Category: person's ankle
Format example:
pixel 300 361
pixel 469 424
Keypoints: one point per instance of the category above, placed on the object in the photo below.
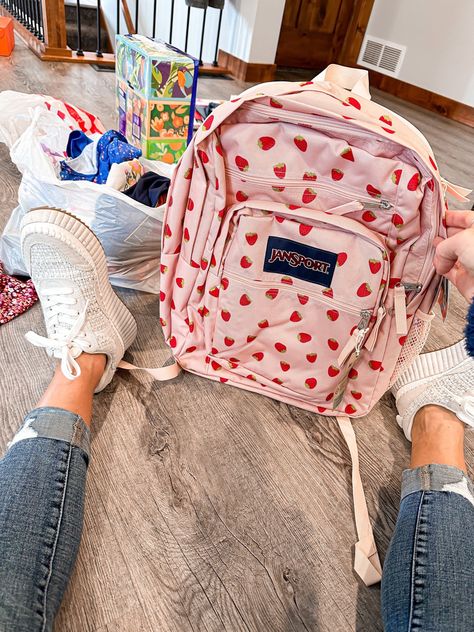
pixel 92 367
pixel 437 437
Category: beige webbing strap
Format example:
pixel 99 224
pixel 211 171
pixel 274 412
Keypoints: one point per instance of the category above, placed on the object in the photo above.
pixel 366 559
pixel 162 373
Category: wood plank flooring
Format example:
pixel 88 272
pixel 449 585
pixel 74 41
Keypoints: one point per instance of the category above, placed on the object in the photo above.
pixel 210 508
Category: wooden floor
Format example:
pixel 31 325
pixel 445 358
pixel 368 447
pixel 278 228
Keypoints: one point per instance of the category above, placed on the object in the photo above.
pixel 211 508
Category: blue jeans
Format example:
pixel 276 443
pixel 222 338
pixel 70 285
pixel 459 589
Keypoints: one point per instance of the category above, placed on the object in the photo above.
pixel 42 485
pixel 428 574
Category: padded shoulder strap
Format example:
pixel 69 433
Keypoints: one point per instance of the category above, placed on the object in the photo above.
pixel 366 559
pixel 162 374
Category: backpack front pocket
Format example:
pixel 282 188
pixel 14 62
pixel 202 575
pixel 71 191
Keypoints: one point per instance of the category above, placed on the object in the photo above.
pixel 292 297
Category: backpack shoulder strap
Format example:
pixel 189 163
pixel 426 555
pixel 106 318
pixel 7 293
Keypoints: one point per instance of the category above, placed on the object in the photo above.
pixel 366 559
pixel 162 374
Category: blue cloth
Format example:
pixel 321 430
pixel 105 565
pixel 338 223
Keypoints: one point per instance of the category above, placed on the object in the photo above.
pixel 76 143
pixel 428 574
pixel 42 488
pixel 112 148
pixel 150 190
pixel 469 332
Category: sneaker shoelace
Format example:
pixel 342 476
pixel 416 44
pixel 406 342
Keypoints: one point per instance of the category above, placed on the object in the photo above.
pixel 63 318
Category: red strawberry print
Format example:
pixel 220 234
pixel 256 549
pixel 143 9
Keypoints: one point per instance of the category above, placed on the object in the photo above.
pixel 203 311
pixel 414 182
pixel 311 357
pixel 353 374
pixel 309 195
pixel 203 156
pixel 304 337
pixel 200 289
pixel 242 163
pixel 188 173
pixel 162 322
pixel 333 344
pixel 295 317
pixel 368 216
pixel 337 174
pixel 287 280
pixel 402 340
pixel 332 314
pixel 228 341
pixel 240 196
pixel 352 101
pixel 191 326
pixel 305 229
pixel 364 290
pixel 173 342
pixel 292 207
pixel 245 300
pixel 328 292
pixel 223 380
pixel 163 268
pixel 233 362
pixel 356 394
pixel 321 409
pixel 180 282
pixel 258 356
pixel 386 119
pixel 204 263
pixel 331 395
pixel 396 175
pixel 311 382
pixel 275 104
pixel 350 409
pixel 191 349
pixel 374 265
pixel 347 154
pixel 301 143
pixel 280 347
pixel 393 282
pixel 251 238
pixel 310 175
pixel 190 205
pixel 263 323
pixel 372 191
pixel 397 220
pixel 333 371
pixel 224 283
pixel 219 149
pixel 277 380
pixel 433 164
pixel 280 170
pixel 186 235
pixel 266 142
pixel 225 315
pixel 375 365
pixel 250 339
pixel 245 262
pixel 430 184
pixel 303 299
pixel 278 189
pixel 213 261
pixel 214 291
pixel 341 258
pixel 284 366
pixel 167 231
pixel 272 293
pixel 216 366
pixel 208 122
pixel 279 219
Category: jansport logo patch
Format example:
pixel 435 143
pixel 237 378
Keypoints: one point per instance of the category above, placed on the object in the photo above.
pixel 292 258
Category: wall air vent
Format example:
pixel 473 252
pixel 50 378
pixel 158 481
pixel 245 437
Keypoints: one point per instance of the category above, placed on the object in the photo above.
pixel 378 54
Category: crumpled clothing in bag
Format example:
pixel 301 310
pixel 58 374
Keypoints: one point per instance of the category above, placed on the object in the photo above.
pixel 15 296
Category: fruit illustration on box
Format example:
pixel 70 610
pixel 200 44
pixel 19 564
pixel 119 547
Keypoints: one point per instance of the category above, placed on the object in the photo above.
pixel 156 95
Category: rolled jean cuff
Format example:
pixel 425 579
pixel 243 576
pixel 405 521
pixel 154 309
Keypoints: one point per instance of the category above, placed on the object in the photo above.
pixel 55 423
pixel 437 478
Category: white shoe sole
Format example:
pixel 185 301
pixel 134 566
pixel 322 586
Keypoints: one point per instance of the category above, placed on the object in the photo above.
pixel 70 230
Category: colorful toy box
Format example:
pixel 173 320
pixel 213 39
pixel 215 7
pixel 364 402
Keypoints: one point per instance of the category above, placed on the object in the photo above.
pixel 7 37
pixel 156 95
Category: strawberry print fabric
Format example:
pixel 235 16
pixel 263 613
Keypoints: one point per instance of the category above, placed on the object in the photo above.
pixel 15 296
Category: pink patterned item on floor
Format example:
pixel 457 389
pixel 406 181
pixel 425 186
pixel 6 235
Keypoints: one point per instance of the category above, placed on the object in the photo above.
pixel 15 296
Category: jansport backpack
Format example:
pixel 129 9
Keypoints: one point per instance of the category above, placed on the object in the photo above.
pixel 297 252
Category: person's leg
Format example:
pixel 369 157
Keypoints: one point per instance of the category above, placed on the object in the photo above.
pixel 42 483
pixel 42 475
pixel 428 578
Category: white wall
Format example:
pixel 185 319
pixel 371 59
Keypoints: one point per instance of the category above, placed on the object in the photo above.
pixel 439 36
pixel 250 28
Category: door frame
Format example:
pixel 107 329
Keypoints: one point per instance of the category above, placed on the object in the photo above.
pixel 355 33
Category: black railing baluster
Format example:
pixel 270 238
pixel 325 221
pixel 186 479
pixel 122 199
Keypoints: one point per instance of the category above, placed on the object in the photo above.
pixel 98 52
pixel 137 9
pixel 171 21
pixel 154 18
pixel 79 51
pixel 202 36
pixel 118 17
pixel 187 30
pixel 29 12
pixel 21 18
pixel 36 18
pixel 40 16
pixel 215 62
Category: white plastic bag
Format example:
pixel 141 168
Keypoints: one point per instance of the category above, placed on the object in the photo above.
pixel 129 231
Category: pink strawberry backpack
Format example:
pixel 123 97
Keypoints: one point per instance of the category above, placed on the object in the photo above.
pixel 297 252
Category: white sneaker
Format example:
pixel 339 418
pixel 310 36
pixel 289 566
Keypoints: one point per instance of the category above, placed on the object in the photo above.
pixel 81 311
pixel 444 378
